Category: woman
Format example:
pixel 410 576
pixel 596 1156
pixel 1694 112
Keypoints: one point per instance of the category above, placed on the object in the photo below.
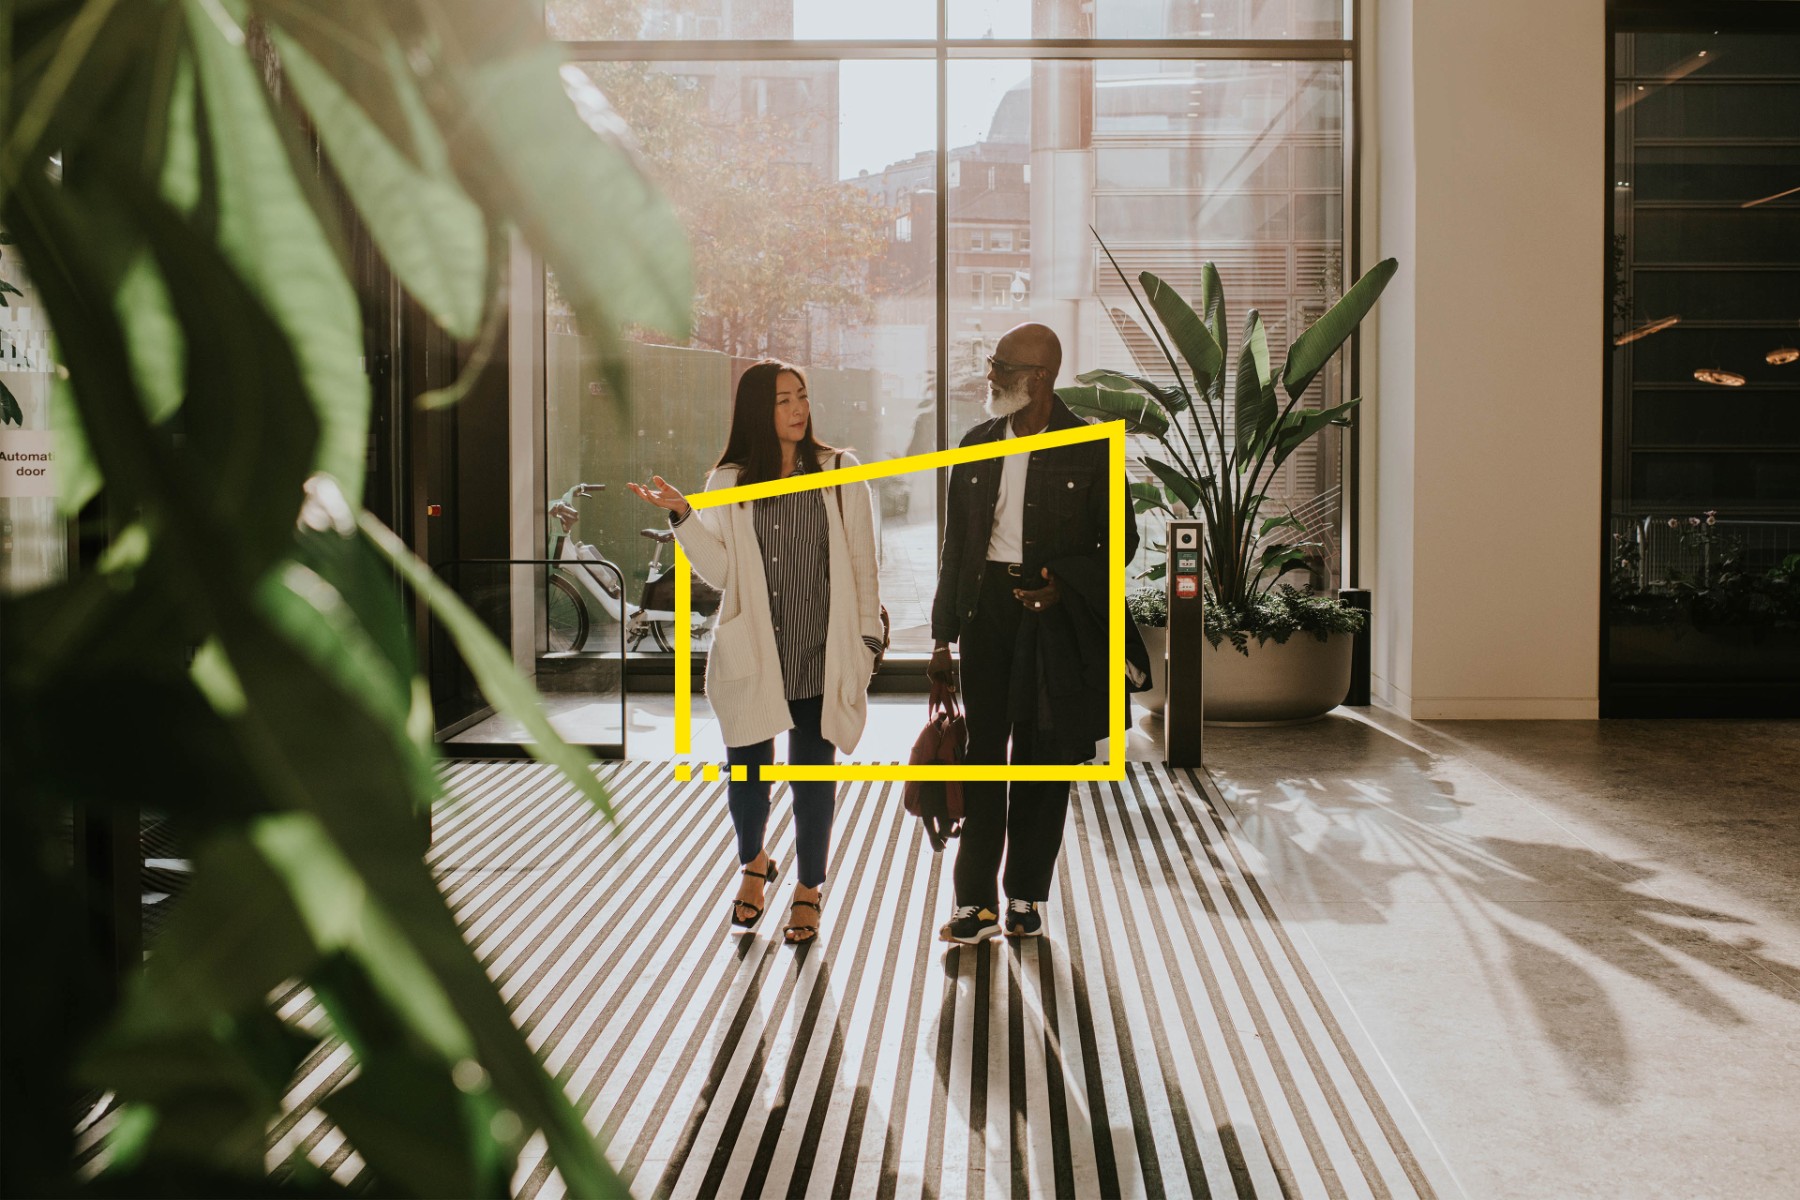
pixel 799 624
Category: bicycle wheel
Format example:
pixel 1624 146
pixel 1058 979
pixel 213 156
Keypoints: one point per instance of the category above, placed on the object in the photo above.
pixel 565 617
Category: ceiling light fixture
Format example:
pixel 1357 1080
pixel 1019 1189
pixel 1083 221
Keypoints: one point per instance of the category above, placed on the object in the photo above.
pixel 1766 199
pixel 1721 378
pixel 1782 357
pixel 1645 330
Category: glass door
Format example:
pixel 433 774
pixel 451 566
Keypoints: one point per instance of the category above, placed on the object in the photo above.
pixel 1703 535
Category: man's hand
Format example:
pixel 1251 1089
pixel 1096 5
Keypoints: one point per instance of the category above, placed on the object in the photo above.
pixel 1042 598
pixel 941 671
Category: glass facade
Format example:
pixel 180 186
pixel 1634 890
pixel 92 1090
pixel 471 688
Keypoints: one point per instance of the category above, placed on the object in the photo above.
pixel 824 20
pixel 813 183
pixel 1703 547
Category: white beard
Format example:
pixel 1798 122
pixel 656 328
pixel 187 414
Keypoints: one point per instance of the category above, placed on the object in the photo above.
pixel 1004 402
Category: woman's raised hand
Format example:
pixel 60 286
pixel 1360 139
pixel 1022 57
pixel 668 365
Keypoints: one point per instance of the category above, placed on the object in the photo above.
pixel 664 495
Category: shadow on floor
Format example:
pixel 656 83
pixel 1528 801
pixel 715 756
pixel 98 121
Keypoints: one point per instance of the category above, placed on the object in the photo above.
pixel 1354 820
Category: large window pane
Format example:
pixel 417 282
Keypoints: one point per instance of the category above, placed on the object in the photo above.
pixel 1658 57
pixel 1709 292
pixel 1226 19
pixel 809 193
pixel 709 20
pixel 1705 449
pixel 1175 163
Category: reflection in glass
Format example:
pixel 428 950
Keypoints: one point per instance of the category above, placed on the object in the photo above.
pixel 1175 164
pixel 814 20
pixel 1184 19
pixel 809 193
pixel 1704 548
pixel 711 20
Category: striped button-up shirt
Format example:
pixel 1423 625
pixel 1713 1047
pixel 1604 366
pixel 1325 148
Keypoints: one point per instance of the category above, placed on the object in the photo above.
pixel 793 535
pixel 794 538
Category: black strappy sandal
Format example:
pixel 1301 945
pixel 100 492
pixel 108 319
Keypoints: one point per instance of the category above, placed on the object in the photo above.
pixel 800 935
pixel 745 924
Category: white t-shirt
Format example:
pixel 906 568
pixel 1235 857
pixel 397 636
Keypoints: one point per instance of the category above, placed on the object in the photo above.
pixel 1007 541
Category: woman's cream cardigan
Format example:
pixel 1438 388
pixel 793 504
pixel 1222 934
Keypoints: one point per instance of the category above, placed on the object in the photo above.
pixel 743 672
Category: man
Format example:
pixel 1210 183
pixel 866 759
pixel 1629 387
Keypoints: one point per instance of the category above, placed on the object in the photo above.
pixel 1024 591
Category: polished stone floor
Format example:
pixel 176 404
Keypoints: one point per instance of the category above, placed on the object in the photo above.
pixel 1573 946
pixel 1576 945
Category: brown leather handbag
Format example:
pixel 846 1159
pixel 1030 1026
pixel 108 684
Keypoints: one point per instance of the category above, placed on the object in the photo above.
pixel 939 803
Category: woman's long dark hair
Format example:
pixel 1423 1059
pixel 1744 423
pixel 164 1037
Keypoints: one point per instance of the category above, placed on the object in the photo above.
pixel 753 448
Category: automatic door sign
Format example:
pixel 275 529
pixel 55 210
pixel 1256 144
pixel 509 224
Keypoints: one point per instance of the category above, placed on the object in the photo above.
pixel 27 462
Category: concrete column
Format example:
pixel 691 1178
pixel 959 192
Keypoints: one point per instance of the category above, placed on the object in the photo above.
pixel 1062 204
pixel 1483 173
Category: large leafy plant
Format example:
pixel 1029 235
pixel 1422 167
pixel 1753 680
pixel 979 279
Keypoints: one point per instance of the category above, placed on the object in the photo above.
pixel 1203 470
pixel 240 657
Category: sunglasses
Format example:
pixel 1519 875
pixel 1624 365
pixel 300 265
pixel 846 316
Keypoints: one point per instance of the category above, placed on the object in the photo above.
pixel 1012 368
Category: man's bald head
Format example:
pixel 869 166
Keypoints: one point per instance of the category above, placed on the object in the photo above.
pixel 1035 344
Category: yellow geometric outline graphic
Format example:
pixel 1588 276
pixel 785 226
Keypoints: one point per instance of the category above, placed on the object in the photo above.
pixel 1111 771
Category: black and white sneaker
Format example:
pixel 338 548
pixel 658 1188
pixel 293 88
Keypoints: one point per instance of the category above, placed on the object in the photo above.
pixel 969 925
pixel 1023 919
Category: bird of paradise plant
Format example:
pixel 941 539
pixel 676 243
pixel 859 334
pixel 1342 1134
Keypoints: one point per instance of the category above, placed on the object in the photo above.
pixel 1202 471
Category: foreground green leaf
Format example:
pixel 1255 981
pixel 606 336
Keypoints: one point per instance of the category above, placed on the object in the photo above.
pixel 430 232
pixel 491 665
pixel 250 427
pixel 193 1040
pixel 542 147
pixel 402 1103
pixel 270 232
pixel 367 893
pixel 350 41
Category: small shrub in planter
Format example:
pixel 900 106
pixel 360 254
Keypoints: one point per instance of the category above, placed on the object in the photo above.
pixel 1278 615
pixel 1148 608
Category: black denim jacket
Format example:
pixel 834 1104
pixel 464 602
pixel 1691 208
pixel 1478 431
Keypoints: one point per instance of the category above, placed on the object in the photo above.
pixel 1065 529
pixel 1065 516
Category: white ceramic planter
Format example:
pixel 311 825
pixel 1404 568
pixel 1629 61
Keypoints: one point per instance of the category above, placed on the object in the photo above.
pixel 1288 683
pixel 1156 641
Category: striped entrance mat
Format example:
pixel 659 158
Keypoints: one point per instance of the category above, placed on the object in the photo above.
pixel 1166 1038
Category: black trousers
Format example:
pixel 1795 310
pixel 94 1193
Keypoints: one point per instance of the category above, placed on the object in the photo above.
pixel 1020 821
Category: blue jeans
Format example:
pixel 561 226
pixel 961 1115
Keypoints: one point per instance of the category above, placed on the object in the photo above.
pixel 813 800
